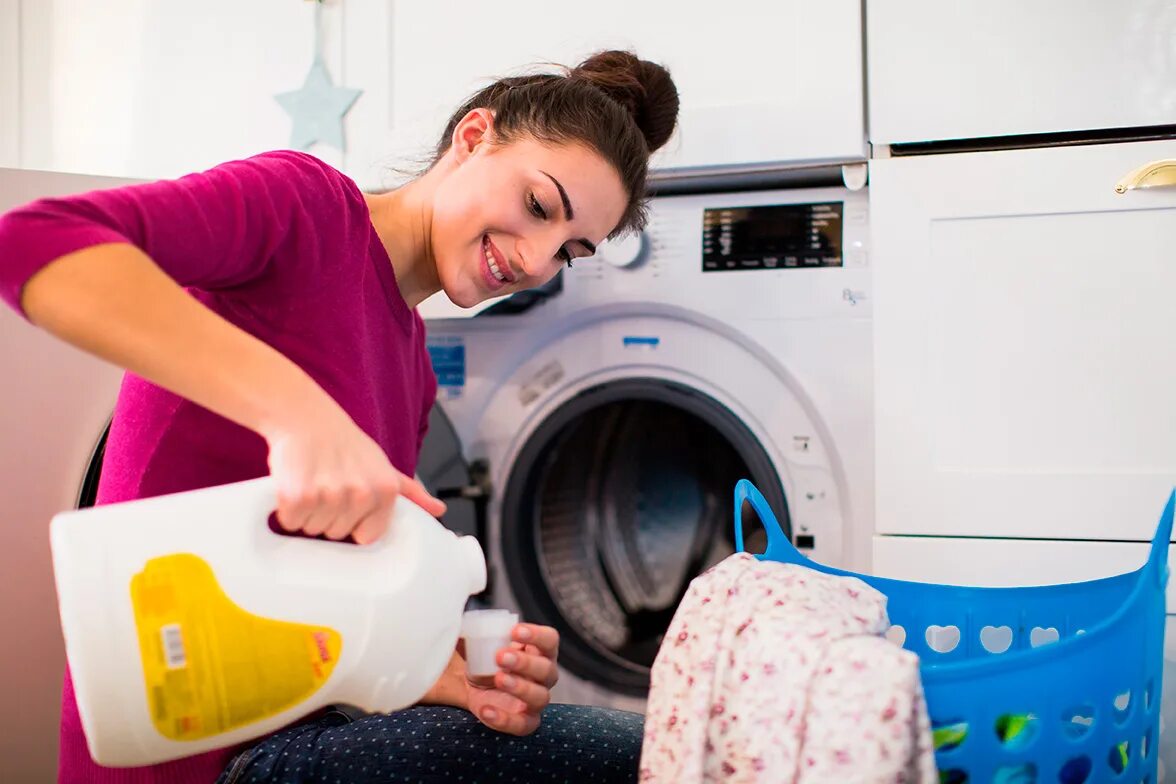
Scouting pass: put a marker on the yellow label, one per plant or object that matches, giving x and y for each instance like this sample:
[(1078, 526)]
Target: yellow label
[(210, 666)]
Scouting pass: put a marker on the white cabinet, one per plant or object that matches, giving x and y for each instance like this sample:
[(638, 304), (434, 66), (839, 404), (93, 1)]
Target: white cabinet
[(959, 70), (1025, 340), (9, 83), (759, 81), (155, 88)]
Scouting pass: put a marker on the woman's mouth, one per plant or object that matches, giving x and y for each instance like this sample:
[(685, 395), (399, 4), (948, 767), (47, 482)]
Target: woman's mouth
[(495, 261)]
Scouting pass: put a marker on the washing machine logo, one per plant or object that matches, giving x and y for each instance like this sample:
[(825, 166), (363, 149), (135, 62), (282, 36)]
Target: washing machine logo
[(853, 297)]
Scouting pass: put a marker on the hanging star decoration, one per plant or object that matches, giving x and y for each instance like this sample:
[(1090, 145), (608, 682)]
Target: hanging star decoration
[(318, 107)]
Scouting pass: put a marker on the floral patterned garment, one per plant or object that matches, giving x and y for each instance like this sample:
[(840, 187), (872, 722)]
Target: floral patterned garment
[(772, 672)]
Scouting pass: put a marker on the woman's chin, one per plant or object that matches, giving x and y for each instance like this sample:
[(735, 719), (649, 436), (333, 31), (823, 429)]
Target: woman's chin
[(465, 298)]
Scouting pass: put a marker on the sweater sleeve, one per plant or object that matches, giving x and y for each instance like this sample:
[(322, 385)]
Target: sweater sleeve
[(212, 230)]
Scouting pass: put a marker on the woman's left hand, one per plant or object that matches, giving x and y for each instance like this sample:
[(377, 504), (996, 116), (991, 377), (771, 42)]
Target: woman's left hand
[(513, 698)]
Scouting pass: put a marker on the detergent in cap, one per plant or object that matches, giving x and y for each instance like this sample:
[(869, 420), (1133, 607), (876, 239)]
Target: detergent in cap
[(189, 625)]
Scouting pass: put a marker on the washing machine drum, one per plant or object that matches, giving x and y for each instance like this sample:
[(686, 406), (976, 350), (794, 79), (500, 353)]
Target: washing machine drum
[(618, 500)]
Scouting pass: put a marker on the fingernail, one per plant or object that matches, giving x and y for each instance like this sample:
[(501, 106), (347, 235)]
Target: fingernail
[(523, 633), (510, 660), (510, 681), (489, 714)]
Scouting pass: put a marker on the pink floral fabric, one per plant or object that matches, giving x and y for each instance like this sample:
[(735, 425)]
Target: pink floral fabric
[(772, 672)]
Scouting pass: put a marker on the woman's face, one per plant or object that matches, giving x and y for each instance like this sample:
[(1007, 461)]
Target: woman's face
[(508, 217)]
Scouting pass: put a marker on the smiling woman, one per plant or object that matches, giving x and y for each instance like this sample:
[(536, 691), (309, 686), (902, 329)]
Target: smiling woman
[(532, 173), (266, 311)]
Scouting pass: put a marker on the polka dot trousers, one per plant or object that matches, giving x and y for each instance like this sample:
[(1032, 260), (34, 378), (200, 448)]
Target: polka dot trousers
[(573, 744)]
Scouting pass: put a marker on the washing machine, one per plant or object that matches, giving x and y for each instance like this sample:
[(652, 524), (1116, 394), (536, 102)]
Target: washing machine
[(592, 434)]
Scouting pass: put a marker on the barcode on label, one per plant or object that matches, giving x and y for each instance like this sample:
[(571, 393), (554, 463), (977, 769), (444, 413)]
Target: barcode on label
[(173, 645)]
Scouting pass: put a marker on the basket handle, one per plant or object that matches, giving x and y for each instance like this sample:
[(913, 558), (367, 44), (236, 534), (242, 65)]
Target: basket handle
[(1158, 558), (746, 491)]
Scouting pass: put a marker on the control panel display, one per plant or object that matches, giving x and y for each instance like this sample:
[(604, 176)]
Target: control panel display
[(783, 236)]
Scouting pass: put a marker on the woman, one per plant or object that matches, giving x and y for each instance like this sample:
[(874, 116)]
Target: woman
[(265, 312)]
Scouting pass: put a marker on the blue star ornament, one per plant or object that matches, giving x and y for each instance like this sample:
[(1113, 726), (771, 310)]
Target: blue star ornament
[(317, 109)]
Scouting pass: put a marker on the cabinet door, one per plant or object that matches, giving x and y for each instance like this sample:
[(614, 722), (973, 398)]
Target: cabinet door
[(759, 81), (1025, 340), (963, 70), (9, 83), (157, 88)]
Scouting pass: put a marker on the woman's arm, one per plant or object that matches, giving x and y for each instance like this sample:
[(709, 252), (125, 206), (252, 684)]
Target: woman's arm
[(113, 301), (105, 271)]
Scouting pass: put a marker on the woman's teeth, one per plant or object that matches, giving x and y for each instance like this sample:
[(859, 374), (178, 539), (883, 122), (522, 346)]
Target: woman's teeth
[(492, 263)]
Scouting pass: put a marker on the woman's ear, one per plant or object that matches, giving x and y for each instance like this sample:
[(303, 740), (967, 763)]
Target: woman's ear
[(474, 130)]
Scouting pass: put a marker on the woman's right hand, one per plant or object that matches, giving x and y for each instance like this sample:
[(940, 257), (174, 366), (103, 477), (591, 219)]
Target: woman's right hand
[(334, 480)]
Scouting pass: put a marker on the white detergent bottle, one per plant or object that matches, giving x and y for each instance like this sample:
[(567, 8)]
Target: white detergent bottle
[(189, 625)]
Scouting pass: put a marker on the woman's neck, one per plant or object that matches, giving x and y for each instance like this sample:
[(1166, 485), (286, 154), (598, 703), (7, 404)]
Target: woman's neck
[(403, 220)]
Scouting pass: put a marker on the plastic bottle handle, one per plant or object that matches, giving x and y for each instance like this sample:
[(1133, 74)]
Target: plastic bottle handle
[(258, 499), (746, 491)]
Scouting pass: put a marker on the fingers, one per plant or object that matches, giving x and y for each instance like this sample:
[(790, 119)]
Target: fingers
[(537, 668), (510, 723), (371, 527), (545, 638), (335, 481), (535, 697), (361, 511), (414, 491)]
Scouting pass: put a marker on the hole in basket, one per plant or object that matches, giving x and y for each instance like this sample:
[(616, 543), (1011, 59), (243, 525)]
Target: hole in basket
[(948, 735), (943, 639), (996, 639), (896, 634), (1145, 745), (953, 776), (1043, 636), (1148, 691), (1076, 770), (1122, 706), (1016, 731), (1021, 774), (1119, 757), (1076, 721)]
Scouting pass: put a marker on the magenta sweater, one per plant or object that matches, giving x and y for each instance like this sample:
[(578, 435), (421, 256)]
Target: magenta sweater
[(281, 245)]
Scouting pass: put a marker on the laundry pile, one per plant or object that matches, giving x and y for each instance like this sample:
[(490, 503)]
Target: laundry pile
[(772, 672)]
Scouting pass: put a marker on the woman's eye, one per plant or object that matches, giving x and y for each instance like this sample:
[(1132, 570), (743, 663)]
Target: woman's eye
[(536, 208)]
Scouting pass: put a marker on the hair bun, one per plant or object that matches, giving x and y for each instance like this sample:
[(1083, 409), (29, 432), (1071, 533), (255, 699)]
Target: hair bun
[(644, 88)]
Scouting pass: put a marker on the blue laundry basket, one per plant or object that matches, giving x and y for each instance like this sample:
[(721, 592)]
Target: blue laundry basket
[(1058, 683)]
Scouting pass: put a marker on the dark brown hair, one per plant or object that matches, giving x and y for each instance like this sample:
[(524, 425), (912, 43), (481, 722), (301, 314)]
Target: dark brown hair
[(622, 107)]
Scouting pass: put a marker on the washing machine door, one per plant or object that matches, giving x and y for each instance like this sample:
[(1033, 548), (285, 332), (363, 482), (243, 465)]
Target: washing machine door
[(616, 502)]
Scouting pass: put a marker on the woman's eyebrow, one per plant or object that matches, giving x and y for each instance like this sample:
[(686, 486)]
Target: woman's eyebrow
[(567, 205), (563, 195)]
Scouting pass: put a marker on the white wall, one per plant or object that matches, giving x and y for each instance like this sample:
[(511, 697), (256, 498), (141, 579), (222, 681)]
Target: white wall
[(158, 88), (9, 82)]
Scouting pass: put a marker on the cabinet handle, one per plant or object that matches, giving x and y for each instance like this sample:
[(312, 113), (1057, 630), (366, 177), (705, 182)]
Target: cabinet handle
[(1156, 174)]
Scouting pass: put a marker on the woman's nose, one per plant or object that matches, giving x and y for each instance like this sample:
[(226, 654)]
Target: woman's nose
[(535, 255)]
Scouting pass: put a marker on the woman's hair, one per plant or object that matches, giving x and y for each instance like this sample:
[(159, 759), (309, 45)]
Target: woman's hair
[(620, 106)]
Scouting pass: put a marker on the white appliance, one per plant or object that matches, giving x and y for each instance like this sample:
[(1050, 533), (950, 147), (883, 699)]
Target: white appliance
[(56, 401), (608, 422)]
